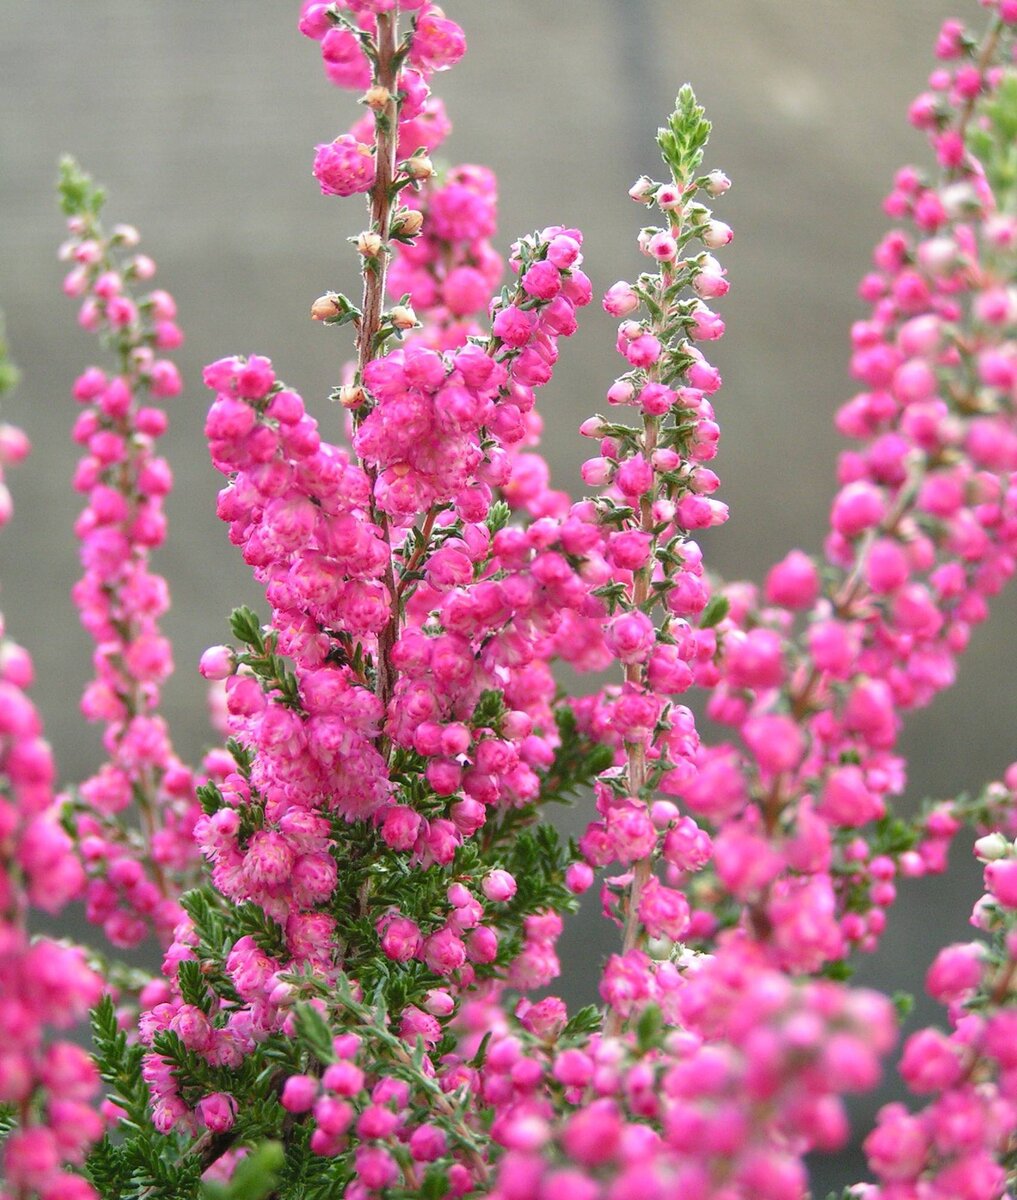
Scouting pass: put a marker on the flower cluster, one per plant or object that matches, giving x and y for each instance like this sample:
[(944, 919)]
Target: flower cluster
[(131, 887), (357, 976), (43, 985)]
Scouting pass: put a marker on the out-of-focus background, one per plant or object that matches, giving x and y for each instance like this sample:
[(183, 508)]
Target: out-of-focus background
[(202, 119)]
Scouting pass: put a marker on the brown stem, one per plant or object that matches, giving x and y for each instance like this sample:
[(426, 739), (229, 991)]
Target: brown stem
[(386, 140), (635, 674), (414, 561)]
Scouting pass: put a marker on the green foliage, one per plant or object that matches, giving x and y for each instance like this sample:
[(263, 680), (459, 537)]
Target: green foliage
[(120, 1064), (684, 138), (9, 373), (649, 1029), (313, 1033), (247, 628), (193, 986), (715, 611), (252, 921), (261, 656), (254, 1178), (79, 194), (498, 516), (994, 141), (578, 761), (903, 1003), (581, 1024), (893, 836)]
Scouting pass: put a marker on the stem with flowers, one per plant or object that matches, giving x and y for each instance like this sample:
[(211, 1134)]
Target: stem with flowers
[(359, 894)]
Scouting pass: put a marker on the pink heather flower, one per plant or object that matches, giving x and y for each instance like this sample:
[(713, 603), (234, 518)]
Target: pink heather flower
[(344, 167), (625, 981), (542, 280), (217, 1111), (717, 234), (578, 878), (897, 1147), (777, 742), (886, 566), (438, 43), (931, 1062), (427, 1143), (299, 1093), (344, 1078), (755, 660), (444, 952), (513, 326), (955, 973), (858, 507), (846, 799), (620, 299), (663, 911), (643, 351), (375, 1167), (498, 885), (1001, 880), (634, 476), (793, 582), (663, 247), (333, 1116), (630, 636), (400, 938), (631, 831)]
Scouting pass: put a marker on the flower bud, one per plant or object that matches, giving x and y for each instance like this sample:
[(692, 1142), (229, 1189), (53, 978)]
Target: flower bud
[(717, 234), (419, 167), (669, 197), (351, 395), (402, 317), (377, 97), (324, 307), (369, 244), (642, 191), (717, 183), (991, 847), (407, 222)]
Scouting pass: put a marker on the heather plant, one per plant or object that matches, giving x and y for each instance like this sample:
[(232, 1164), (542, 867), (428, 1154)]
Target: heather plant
[(357, 894)]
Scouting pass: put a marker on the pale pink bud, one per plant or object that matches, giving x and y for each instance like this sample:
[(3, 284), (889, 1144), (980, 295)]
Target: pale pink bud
[(620, 299), (217, 662), (663, 247), (717, 234), (643, 190), (499, 886)]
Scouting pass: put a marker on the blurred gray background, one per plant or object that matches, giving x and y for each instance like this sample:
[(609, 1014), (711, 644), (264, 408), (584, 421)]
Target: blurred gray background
[(201, 118)]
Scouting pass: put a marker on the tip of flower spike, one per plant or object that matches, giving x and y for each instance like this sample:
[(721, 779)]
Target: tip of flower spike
[(684, 138), (79, 194)]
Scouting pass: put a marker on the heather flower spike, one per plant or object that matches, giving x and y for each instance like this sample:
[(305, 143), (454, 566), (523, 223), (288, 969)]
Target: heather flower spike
[(358, 895)]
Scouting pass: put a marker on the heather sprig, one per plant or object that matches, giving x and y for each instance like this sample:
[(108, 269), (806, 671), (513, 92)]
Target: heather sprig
[(353, 996)]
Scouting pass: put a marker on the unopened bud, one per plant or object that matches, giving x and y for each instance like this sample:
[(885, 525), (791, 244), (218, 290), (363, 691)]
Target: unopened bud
[(991, 847), (407, 222), (125, 235), (419, 167), (377, 97), (717, 183), (669, 197), (402, 317), (642, 191), (369, 244), (717, 234), (350, 395), (324, 307)]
